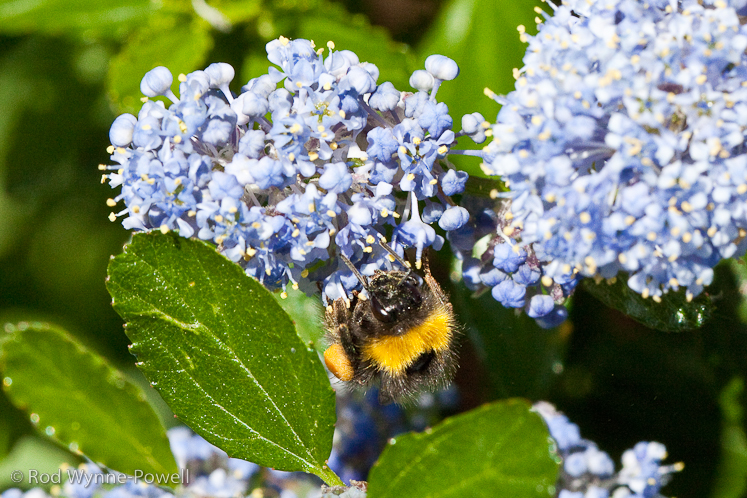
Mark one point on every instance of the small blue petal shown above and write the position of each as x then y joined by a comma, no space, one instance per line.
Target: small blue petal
122,129
509,294
540,306
336,178
558,315
385,98
156,82
220,74
507,259
421,80
442,67
453,182
453,218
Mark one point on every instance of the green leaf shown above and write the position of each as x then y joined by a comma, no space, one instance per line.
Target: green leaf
175,42
731,477
499,449
306,313
223,354
673,314
60,16
33,452
481,36
14,424
82,402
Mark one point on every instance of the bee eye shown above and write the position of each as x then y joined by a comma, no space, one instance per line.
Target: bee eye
413,289
380,313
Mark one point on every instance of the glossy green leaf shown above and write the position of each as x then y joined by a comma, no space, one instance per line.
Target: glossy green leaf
731,480
59,16
78,399
500,449
223,354
176,42
481,36
673,314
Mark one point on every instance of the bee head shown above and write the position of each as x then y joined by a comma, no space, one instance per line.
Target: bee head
393,294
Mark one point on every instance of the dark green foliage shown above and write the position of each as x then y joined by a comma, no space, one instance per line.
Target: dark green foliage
74,396
223,354
673,314
501,449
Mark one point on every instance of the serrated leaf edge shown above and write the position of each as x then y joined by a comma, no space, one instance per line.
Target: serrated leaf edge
158,314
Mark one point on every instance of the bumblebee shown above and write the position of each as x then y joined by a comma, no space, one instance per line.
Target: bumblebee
401,334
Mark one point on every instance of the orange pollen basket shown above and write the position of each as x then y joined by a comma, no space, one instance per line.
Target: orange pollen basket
337,362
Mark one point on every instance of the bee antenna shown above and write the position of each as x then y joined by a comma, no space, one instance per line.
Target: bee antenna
396,256
355,271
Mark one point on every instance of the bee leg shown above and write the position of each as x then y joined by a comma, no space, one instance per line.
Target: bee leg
342,318
346,339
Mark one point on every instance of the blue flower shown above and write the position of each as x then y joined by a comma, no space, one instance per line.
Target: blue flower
156,82
527,275
623,145
336,178
555,317
276,176
474,126
509,294
435,119
540,305
508,258
381,144
453,182
441,67
642,471
453,218
121,131
589,471
385,97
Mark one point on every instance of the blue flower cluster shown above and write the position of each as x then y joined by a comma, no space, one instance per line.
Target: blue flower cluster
362,429
284,178
623,145
517,273
588,472
356,489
